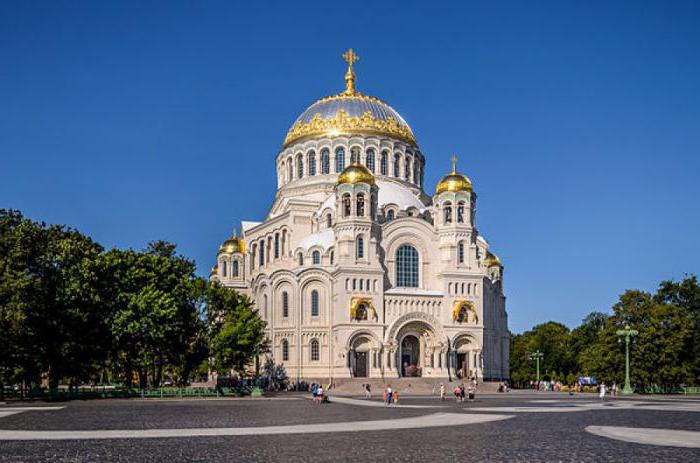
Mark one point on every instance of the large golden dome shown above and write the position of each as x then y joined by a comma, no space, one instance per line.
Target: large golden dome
356,173
349,112
453,181
232,245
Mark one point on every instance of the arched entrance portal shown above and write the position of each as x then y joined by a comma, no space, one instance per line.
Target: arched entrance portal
410,356
359,356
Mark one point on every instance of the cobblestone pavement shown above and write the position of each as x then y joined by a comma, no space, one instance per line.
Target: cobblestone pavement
527,430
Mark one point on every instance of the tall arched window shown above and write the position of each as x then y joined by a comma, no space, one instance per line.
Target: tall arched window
407,266
460,213
316,257
255,253
447,212
265,307
460,252
360,248
235,268
339,159
347,205
332,257
325,162
300,166
300,258
285,350
277,245
262,252
360,205
390,215
315,310
384,163
290,170
224,270
312,163
354,155
416,167
407,170
329,221
285,304
315,355
397,165
370,160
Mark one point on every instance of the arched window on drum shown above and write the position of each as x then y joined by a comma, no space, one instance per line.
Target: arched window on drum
316,257
384,163
325,162
339,160
370,160
312,163
407,266
360,205
300,166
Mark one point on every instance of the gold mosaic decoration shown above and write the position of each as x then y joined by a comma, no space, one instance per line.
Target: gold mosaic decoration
344,123
469,305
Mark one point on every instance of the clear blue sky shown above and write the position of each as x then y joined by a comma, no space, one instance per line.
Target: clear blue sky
578,123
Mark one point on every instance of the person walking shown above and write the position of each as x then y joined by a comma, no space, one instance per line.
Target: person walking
602,391
472,391
389,395
319,394
368,391
442,392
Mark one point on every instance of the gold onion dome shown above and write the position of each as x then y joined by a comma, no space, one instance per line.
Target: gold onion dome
492,260
349,112
453,181
232,245
356,173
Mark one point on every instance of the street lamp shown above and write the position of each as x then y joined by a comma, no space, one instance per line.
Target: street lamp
536,356
627,333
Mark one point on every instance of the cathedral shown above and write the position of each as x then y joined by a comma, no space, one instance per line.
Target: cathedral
358,271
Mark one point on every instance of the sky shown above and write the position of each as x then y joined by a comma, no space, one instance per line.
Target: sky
577,122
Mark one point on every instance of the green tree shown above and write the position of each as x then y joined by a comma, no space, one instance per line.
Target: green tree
657,352
154,319
237,331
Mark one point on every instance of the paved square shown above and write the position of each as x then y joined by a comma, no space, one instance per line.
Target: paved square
516,426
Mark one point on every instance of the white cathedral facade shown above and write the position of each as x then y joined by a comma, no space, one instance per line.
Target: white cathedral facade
359,272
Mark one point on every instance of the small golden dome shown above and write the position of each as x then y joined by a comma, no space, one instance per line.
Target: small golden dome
232,245
492,260
453,181
356,173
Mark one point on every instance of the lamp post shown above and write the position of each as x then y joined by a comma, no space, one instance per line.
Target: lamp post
627,333
536,356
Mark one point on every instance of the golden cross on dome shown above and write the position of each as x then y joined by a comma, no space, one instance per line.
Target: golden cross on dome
350,57
454,164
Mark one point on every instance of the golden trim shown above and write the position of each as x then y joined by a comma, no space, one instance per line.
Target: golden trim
355,303
344,123
470,308
492,260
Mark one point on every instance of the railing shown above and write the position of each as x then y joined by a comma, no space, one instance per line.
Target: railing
125,393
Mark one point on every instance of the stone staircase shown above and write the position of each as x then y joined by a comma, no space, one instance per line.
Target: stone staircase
408,386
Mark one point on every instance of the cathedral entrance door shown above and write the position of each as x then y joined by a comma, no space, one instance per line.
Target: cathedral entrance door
410,354
462,365
360,364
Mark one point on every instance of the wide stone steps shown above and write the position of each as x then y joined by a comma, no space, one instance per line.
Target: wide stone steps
408,386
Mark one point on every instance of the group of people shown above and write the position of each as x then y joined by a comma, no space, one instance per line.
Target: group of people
319,394
603,389
391,397
554,386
